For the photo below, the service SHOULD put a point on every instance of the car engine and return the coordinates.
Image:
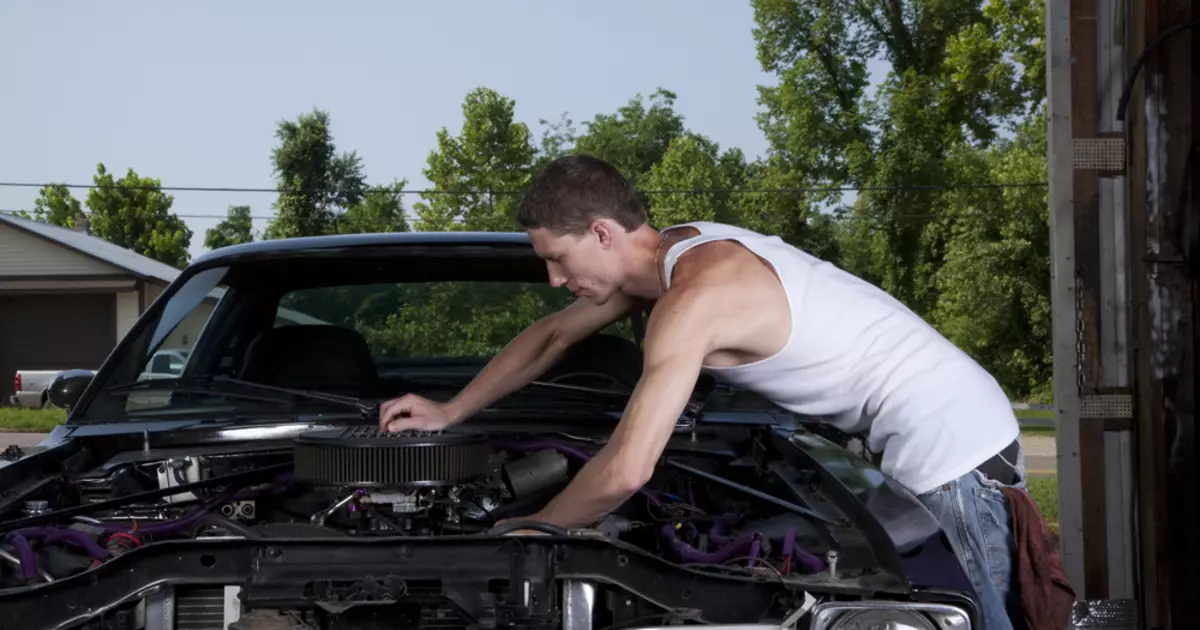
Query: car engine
(357, 482)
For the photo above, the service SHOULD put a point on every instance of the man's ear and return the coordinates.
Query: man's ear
(603, 231)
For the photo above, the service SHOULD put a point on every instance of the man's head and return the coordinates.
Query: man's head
(586, 221)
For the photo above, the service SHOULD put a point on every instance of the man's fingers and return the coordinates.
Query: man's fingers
(384, 413)
(394, 409)
(403, 424)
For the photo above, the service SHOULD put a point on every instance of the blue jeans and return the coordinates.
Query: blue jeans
(974, 512)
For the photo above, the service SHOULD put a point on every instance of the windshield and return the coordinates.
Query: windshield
(362, 327)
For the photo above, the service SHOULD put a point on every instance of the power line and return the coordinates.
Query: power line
(410, 218)
(475, 191)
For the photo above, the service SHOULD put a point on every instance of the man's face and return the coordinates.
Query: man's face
(585, 263)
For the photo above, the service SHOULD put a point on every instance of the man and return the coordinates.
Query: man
(763, 315)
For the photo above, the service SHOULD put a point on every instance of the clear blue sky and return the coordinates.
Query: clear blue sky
(190, 93)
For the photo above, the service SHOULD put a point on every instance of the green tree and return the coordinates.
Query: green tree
(636, 137)
(381, 210)
(959, 73)
(994, 287)
(479, 174)
(134, 213)
(692, 182)
(236, 228)
(558, 139)
(317, 183)
(55, 205)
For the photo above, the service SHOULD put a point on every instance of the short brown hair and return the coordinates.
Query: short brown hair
(574, 190)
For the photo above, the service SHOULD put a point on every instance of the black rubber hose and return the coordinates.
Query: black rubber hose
(512, 526)
(1127, 90)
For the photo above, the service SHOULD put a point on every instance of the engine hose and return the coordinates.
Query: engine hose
(512, 526)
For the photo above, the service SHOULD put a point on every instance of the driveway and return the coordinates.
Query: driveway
(1041, 454)
(24, 440)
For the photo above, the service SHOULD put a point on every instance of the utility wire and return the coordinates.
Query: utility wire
(410, 218)
(474, 191)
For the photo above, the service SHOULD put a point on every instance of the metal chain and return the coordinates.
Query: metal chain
(1080, 345)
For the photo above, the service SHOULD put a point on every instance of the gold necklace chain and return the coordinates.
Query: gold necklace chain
(658, 265)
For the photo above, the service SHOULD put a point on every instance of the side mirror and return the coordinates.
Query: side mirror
(68, 386)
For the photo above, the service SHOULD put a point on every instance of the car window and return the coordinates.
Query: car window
(174, 364)
(159, 364)
(426, 320)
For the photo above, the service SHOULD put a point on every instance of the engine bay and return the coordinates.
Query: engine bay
(724, 508)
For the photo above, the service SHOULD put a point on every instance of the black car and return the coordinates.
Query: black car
(254, 491)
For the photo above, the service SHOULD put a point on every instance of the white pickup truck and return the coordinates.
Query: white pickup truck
(31, 385)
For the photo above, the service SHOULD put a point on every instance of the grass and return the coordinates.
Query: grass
(17, 419)
(1035, 414)
(1044, 490)
(1043, 431)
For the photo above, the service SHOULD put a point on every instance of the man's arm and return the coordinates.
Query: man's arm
(535, 350)
(682, 330)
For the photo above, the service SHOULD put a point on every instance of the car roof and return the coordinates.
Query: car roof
(323, 244)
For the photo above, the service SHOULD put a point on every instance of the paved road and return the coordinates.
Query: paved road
(23, 440)
(1040, 453)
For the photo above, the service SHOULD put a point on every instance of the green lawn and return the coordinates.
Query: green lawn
(1046, 431)
(31, 420)
(1044, 490)
(1035, 414)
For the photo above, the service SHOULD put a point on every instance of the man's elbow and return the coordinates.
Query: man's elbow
(630, 478)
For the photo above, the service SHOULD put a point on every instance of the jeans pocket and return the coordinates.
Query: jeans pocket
(995, 528)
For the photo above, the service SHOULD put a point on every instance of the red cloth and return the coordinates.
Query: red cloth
(1046, 595)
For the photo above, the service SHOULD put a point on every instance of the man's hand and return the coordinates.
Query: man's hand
(414, 412)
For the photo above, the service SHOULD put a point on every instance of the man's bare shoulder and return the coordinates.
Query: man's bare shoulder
(727, 289)
(725, 264)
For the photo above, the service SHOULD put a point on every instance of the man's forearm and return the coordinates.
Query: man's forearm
(526, 357)
(600, 487)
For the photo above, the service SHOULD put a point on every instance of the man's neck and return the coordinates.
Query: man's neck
(647, 247)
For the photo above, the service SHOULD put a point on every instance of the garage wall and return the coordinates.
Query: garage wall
(185, 334)
(23, 254)
(127, 312)
(56, 331)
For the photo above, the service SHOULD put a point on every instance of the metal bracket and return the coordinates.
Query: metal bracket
(1106, 406)
(1098, 154)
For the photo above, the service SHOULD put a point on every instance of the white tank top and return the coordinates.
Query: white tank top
(862, 361)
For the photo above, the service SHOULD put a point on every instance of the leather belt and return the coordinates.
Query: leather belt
(997, 466)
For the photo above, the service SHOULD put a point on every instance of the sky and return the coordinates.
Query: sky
(191, 93)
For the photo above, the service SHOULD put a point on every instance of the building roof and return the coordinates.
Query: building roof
(97, 248)
(129, 260)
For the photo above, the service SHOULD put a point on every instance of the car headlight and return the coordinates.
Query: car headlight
(878, 615)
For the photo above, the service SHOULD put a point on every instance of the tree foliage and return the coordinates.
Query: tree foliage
(134, 213)
(55, 205)
(236, 228)
(318, 184)
(478, 174)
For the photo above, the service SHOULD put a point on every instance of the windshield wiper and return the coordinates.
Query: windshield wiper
(367, 410)
(203, 385)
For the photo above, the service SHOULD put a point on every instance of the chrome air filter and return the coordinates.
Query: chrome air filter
(364, 457)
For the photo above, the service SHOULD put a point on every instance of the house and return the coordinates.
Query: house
(67, 297)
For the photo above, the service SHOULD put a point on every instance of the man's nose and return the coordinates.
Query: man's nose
(556, 279)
